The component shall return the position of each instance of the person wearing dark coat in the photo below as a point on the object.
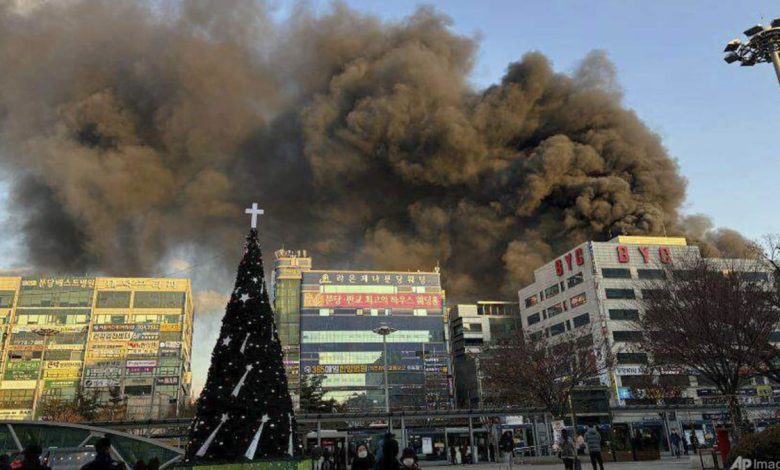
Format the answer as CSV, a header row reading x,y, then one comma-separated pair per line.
x,y
389,460
409,459
103,460
363,460
32,458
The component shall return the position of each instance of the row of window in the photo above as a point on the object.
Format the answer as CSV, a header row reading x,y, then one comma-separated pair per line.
x,y
556,309
554,290
625,273
562,327
374,312
613,293
75,297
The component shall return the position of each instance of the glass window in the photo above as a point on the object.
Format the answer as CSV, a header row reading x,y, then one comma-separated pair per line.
x,y
578,300
755,276
55,297
675,380
620,293
574,280
473,327
533,319
616,273
109,299
531,301
581,320
635,381
473,341
627,336
651,273
623,314
6,298
557,329
137,390
551,291
632,358
554,310
154,299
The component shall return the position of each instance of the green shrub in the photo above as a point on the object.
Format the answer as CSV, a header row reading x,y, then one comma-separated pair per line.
x,y
762,446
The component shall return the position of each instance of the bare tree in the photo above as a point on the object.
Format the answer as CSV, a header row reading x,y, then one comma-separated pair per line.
x,y
768,360
710,318
538,370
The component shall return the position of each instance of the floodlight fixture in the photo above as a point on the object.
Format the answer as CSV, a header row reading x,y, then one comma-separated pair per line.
x,y
762,46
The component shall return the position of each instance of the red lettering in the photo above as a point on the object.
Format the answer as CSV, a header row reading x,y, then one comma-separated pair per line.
x,y
645,252
665,254
579,257
622,252
559,267
568,260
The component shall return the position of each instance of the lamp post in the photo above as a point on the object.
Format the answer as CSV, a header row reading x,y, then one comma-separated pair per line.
x,y
383,331
763,45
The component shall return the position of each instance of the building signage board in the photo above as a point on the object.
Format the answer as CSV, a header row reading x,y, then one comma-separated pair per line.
x,y
166,381
140,283
170,327
62,365
170,345
102,372
21,370
112,335
630,370
18,384
366,368
138,381
317,299
16,414
142,363
61,373
48,384
126,327
140,370
100,383
44,283
368,278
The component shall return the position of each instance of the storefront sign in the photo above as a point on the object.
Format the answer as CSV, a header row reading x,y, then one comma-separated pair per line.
x,y
102,372
569,260
63,365
62,373
83,282
370,278
166,381
170,327
664,254
316,299
112,335
127,327
18,384
143,363
15,414
59,384
138,381
100,383
630,370
706,392
140,370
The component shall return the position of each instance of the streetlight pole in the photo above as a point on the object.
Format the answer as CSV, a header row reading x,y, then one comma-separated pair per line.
x,y
383,331
763,45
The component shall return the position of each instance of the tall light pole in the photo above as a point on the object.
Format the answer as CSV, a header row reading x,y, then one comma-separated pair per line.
x,y
763,45
383,331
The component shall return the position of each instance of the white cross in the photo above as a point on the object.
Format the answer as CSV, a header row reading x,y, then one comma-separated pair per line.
x,y
255,211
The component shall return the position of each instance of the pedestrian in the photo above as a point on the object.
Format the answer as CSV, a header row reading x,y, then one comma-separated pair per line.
x,y
327,460
409,459
579,444
389,460
103,460
674,438
468,455
453,458
507,447
593,443
32,458
694,440
363,459
458,456
566,452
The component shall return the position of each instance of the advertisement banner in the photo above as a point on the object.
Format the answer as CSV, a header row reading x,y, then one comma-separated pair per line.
x,y
170,345
100,383
143,363
139,283
143,345
370,278
61,373
317,299
63,365
146,335
15,414
170,327
20,374
366,368
112,335
18,384
166,381
140,370
102,372
70,281
23,365
59,384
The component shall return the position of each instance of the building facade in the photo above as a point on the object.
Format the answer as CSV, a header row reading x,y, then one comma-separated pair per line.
x,y
471,327
599,286
326,320
127,339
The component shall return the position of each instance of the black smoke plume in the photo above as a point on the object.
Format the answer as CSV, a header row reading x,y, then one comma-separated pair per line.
x,y
133,130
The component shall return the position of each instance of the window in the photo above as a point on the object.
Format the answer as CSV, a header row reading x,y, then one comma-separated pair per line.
x,y
473,327
557,329
551,291
473,341
531,301
578,300
16,398
624,314
6,298
616,273
620,293
535,336
652,293
574,280
155,299
755,276
627,336
533,319
635,381
108,299
675,380
632,358
554,310
138,390
651,273
581,320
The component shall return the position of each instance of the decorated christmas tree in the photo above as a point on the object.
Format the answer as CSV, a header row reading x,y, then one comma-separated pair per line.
x,y
245,411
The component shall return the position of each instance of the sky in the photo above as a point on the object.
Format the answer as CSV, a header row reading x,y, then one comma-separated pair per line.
x,y
719,121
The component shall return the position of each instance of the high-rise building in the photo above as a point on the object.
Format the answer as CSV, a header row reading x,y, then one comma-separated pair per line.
x,y
599,286
126,339
326,320
472,326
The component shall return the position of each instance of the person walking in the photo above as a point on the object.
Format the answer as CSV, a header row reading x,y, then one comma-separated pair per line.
x,y
363,459
32,458
593,443
579,444
506,445
328,463
674,438
389,460
409,459
567,452
453,460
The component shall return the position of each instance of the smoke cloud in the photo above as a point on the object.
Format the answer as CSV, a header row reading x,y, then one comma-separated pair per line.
x,y
137,130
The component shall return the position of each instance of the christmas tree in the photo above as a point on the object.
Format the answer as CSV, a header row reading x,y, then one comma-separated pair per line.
x,y
245,410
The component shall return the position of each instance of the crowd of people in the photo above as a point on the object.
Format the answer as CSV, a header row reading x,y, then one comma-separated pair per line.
x,y
31,459
589,443
385,457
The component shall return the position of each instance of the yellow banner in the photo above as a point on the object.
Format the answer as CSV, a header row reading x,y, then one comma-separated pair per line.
x,y
18,384
62,373
170,327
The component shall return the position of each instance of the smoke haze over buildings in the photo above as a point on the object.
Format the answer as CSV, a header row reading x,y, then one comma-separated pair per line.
x,y
137,131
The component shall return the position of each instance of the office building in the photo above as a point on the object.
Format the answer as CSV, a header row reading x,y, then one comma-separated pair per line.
x,y
326,320
471,327
130,337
